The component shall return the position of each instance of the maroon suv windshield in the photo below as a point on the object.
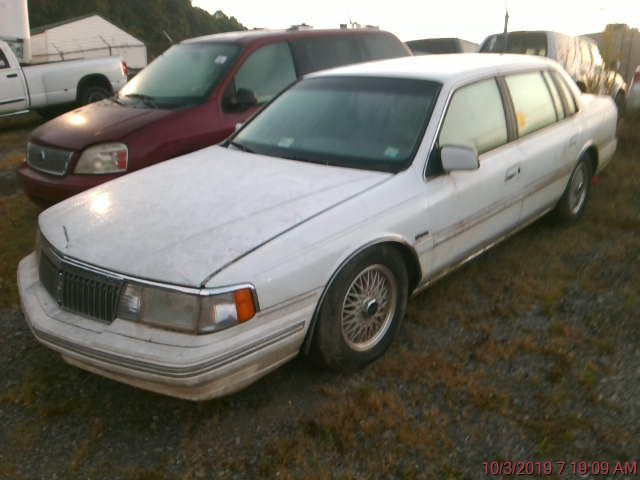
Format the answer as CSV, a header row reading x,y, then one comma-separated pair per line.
x,y
182,76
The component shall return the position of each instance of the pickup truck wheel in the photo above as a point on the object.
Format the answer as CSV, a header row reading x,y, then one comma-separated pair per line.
x,y
573,202
361,311
93,93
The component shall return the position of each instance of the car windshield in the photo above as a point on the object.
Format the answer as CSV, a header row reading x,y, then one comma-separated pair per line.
x,y
182,76
528,43
355,122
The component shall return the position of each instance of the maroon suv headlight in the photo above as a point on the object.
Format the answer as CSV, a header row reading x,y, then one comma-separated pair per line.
x,y
103,158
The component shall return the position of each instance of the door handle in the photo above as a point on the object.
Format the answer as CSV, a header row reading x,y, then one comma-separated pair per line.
x,y
12,75
512,173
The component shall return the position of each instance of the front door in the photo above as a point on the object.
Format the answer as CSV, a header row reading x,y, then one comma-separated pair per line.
x,y
470,209
13,97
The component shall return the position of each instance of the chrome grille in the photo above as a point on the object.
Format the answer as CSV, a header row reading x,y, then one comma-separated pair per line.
x,y
48,160
78,290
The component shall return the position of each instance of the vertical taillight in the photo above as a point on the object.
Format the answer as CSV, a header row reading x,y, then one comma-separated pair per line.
x,y
125,69
636,77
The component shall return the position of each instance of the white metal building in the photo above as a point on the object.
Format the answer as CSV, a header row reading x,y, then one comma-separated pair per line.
x,y
89,36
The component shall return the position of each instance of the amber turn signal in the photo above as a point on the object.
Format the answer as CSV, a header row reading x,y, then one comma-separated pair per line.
x,y
245,306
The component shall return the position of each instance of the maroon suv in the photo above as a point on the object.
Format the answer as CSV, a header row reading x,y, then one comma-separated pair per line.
x,y
190,97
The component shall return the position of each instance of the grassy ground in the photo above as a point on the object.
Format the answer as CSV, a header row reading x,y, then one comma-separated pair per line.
x,y
530,352
18,214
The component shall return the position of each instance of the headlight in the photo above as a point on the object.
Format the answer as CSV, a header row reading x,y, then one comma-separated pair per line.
x,y
103,158
190,312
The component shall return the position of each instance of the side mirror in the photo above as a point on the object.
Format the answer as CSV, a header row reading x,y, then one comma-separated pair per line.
x,y
242,100
459,158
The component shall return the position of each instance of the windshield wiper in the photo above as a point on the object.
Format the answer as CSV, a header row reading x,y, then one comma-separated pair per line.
x,y
239,146
146,99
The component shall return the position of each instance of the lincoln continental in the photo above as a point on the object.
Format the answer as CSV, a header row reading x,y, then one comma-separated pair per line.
x,y
310,227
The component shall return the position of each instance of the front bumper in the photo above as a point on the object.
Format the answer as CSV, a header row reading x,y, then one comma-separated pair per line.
x,y
49,189
193,367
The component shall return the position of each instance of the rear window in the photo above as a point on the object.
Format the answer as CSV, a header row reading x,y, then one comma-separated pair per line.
x,y
319,53
314,54
434,46
527,43
380,46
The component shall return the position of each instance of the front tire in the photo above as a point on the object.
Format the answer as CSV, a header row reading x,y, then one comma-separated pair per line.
x,y
573,202
361,311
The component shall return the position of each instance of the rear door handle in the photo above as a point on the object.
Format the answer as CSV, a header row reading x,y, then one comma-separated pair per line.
x,y
12,75
512,173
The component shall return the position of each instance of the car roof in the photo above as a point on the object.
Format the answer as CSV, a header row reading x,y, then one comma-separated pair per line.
x,y
441,68
250,36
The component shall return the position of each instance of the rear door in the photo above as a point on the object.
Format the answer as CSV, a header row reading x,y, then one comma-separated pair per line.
x,y
548,139
470,209
13,96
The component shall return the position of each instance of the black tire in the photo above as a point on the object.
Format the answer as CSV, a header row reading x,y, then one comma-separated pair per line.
x,y
573,202
93,93
335,343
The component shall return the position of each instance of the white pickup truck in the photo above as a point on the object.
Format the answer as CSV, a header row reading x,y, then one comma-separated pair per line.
x,y
44,86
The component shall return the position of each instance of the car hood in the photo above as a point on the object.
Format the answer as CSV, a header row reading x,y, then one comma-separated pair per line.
x,y
103,121
183,220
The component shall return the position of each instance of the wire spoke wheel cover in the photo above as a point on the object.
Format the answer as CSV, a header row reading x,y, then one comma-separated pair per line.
x,y
369,307
578,189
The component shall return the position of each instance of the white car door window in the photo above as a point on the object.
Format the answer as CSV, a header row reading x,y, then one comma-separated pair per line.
x,y
532,102
475,118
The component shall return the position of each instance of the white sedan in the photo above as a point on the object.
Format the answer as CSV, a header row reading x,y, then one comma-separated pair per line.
x,y
309,228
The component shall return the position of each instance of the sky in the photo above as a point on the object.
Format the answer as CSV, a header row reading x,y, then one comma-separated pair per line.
x,y
468,19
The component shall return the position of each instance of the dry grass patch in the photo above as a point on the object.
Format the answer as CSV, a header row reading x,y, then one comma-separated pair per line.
x,y
17,235
11,161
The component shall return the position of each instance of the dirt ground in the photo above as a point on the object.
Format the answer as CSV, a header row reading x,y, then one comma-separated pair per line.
x,y
531,352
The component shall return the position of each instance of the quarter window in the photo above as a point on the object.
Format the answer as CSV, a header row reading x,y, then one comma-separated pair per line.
x,y
532,102
557,102
475,118
267,72
566,94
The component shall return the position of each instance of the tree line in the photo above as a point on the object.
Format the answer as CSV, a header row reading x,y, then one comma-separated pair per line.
x,y
146,20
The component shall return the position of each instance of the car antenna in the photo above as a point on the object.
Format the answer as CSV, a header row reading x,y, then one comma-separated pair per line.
x,y
506,26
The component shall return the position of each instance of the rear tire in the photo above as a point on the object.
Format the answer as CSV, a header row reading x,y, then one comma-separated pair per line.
x,y
573,202
361,311
93,93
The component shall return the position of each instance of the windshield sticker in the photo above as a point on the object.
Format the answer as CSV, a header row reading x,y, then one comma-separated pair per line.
x,y
391,152
285,142
220,59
